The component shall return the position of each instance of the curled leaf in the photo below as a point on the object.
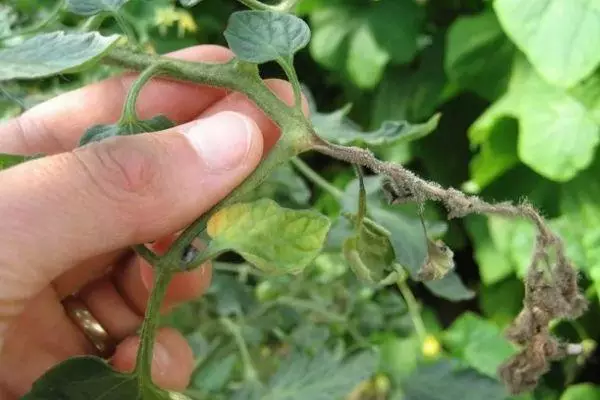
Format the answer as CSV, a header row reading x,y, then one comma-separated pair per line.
x,y
369,253
439,261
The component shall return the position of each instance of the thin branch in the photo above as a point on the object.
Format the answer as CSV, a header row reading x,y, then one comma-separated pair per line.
x,y
413,309
317,179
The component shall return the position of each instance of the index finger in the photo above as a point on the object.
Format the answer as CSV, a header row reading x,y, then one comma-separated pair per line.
x,y
57,124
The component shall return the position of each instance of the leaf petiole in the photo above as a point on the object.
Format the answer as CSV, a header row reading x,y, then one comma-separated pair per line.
x,y
129,109
125,27
288,67
317,179
250,373
412,305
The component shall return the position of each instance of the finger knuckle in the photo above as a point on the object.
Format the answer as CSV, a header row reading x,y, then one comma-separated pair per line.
x,y
126,174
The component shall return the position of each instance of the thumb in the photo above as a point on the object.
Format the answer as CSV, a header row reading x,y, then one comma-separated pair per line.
x,y
59,211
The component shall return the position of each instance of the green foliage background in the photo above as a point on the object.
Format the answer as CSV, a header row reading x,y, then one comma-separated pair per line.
x,y
516,86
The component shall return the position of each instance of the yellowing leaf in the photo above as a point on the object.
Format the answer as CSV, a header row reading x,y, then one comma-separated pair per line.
x,y
273,238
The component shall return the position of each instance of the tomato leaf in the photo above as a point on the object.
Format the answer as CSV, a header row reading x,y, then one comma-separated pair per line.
x,y
369,253
101,132
262,36
189,3
443,381
479,343
558,135
533,24
53,53
336,127
92,7
479,55
323,377
582,391
91,378
274,239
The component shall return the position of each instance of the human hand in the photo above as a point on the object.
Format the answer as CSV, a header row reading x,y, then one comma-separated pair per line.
x,y
68,219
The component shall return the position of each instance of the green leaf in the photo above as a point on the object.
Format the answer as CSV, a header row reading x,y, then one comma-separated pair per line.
x,y
399,357
214,374
362,40
10,160
496,155
479,55
509,293
579,223
557,134
91,378
189,3
8,18
100,132
337,128
274,239
443,381
262,36
478,343
573,32
413,95
583,391
324,377
366,60
450,287
53,53
92,7
331,29
369,253
494,265
285,186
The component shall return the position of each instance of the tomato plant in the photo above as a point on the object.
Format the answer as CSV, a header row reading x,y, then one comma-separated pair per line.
x,y
369,291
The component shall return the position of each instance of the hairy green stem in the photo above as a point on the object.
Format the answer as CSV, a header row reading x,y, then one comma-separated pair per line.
x,y
143,368
290,72
317,179
52,15
146,253
129,111
413,308
250,373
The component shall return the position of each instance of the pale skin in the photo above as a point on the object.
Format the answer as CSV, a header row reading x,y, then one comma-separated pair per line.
x,y
69,219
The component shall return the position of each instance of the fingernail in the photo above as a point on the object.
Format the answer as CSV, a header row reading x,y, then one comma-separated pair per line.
x,y
222,140
162,359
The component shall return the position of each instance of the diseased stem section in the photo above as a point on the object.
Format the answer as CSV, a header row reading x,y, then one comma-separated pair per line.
x,y
551,288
